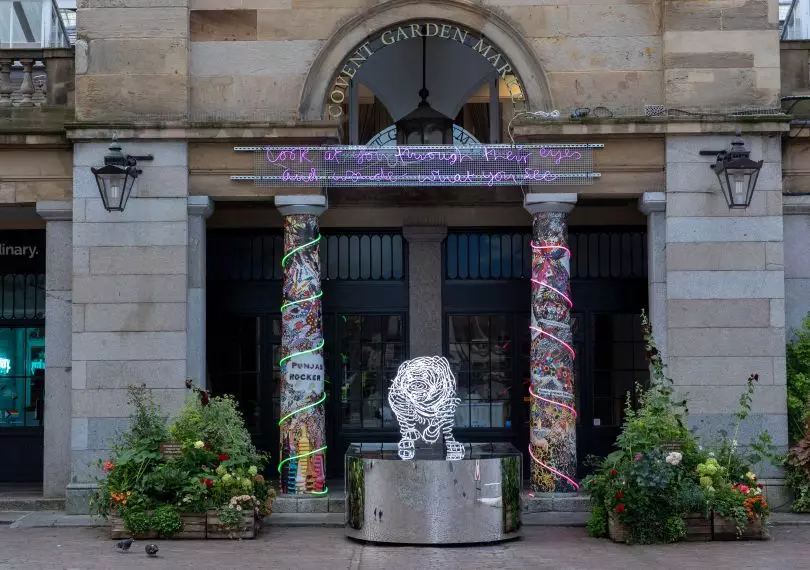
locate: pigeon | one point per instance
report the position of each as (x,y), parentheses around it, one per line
(151,550)
(124,545)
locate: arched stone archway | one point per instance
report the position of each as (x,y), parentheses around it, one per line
(468,13)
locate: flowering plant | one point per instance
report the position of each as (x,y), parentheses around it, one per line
(216,462)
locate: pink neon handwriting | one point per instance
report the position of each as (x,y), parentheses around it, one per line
(484,177)
(409,155)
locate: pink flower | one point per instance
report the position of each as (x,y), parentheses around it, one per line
(108,466)
(743,489)
(638,457)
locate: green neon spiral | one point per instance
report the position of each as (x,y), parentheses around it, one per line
(287,305)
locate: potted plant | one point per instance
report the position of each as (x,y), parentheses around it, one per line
(147,493)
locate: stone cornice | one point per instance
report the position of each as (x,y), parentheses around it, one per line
(527,130)
(311,132)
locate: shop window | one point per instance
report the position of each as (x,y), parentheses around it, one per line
(619,361)
(22,376)
(481,350)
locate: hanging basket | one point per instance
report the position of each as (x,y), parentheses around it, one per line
(617,530)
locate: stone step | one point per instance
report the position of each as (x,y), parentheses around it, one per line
(334,503)
(14,503)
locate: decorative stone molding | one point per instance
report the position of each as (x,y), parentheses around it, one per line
(56,210)
(301,204)
(795,205)
(200,206)
(652,202)
(508,39)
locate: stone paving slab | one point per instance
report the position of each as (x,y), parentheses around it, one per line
(280,548)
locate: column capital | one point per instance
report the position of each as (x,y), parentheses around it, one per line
(653,202)
(56,210)
(424,233)
(291,205)
(536,203)
(200,206)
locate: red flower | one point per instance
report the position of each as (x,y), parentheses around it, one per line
(207,447)
(620,508)
(760,485)
(619,495)
(223,457)
(108,466)
(613,473)
(207,482)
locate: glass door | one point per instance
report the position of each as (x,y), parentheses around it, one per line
(363,354)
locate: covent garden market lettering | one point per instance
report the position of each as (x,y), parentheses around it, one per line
(337,95)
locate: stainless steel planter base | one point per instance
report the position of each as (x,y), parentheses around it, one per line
(428,500)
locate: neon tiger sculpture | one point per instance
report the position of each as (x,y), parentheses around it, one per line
(423,399)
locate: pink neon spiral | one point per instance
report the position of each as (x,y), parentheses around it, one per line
(562,342)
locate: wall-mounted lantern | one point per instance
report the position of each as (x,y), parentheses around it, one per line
(116,178)
(736,172)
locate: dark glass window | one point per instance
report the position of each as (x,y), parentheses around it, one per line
(371,348)
(257,256)
(594,254)
(480,349)
(619,362)
(22,376)
(236,365)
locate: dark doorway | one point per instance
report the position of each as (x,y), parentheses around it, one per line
(486,295)
(365,306)
(22,355)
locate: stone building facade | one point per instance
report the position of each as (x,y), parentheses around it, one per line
(162,291)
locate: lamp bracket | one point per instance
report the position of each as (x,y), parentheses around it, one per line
(142,157)
(711,152)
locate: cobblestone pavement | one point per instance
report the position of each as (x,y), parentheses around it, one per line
(326,548)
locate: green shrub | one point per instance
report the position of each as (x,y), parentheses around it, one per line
(166,520)
(597,524)
(798,381)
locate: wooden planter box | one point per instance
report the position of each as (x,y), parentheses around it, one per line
(724,530)
(118,531)
(215,530)
(194,525)
(698,527)
(617,531)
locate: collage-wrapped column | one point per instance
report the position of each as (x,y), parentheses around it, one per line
(302,426)
(553,417)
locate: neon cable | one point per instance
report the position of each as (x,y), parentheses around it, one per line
(308,300)
(568,347)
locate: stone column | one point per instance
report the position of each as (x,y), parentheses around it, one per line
(552,437)
(58,288)
(424,289)
(726,291)
(302,462)
(654,205)
(199,208)
(797,262)
(130,293)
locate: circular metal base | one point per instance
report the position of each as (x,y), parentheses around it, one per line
(428,500)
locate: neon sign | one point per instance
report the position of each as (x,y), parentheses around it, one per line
(440,165)
(5,365)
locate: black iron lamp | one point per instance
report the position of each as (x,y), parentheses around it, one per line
(117,177)
(736,172)
(424,125)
